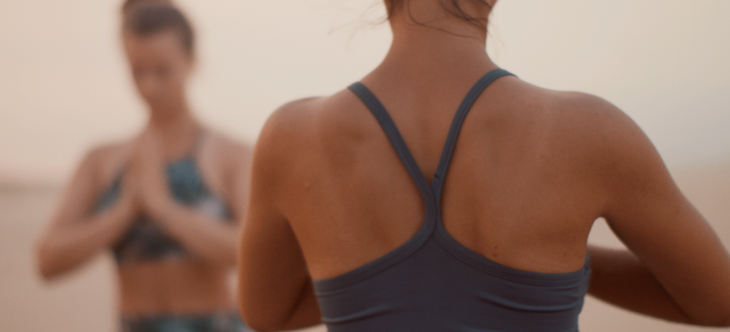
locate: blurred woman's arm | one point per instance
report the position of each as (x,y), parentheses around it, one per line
(212,238)
(275,289)
(680,270)
(76,233)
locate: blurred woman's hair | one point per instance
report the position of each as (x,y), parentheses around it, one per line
(129,4)
(453,7)
(148,17)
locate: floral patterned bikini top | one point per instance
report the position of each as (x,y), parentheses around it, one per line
(145,240)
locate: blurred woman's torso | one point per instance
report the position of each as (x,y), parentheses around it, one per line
(150,286)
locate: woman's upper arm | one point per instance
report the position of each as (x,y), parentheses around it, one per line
(272,270)
(78,198)
(75,207)
(652,217)
(240,176)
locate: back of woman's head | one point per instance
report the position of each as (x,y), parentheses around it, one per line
(129,4)
(461,9)
(143,18)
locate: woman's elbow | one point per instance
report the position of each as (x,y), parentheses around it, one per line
(45,263)
(259,315)
(261,323)
(719,317)
(722,318)
(260,326)
(721,321)
(255,319)
(713,322)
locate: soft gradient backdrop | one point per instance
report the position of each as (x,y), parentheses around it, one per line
(64,87)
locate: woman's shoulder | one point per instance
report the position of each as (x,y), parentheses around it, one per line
(561,105)
(229,151)
(590,129)
(104,161)
(315,118)
(595,119)
(301,132)
(569,112)
(109,150)
(295,114)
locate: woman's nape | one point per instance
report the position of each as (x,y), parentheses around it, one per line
(128,5)
(475,12)
(427,34)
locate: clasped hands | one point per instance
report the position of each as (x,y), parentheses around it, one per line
(144,187)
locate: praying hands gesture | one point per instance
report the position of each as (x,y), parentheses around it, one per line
(80,229)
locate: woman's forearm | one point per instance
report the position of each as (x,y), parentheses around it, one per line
(211,238)
(306,312)
(619,278)
(65,247)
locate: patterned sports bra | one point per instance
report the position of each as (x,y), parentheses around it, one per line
(145,240)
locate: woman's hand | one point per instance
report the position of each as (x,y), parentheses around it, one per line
(126,209)
(204,235)
(147,173)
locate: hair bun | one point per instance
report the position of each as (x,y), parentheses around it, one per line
(148,17)
(129,4)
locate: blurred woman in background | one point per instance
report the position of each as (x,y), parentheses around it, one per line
(442,193)
(165,202)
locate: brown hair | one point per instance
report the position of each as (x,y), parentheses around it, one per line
(148,17)
(129,4)
(453,7)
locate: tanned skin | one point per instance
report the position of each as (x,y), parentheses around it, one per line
(532,170)
(77,233)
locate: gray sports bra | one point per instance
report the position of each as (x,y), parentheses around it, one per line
(432,283)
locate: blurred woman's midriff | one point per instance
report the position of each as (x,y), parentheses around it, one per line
(180,287)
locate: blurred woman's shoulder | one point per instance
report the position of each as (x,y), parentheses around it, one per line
(226,150)
(107,160)
(227,163)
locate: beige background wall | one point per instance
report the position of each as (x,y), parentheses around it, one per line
(64,87)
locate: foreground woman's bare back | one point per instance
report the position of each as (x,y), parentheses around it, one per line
(531,171)
(524,187)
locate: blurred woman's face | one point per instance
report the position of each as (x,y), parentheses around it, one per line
(160,68)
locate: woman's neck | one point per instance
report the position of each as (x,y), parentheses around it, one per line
(177,133)
(430,38)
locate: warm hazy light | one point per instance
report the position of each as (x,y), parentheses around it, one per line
(65,87)
(64,84)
